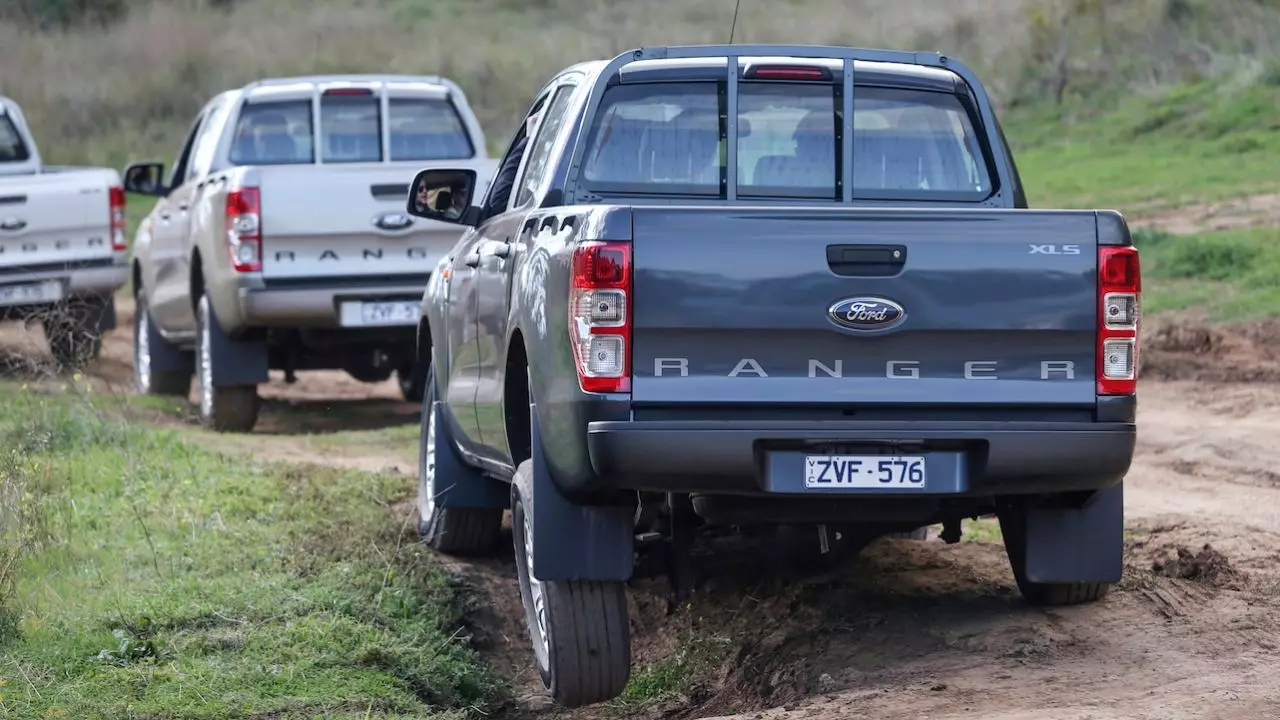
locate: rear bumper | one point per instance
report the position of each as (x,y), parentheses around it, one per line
(87,280)
(975,459)
(315,304)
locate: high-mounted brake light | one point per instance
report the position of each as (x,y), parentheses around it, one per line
(788,72)
(244,229)
(600,315)
(119,242)
(1119,311)
(348,91)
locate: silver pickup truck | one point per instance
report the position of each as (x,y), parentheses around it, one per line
(62,244)
(280,238)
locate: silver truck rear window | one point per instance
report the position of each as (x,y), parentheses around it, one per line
(280,133)
(667,138)
(12,149)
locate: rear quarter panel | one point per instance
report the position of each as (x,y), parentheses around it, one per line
(539,317)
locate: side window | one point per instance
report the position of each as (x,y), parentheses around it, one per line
(539,149)
(207,141)
(499,194)
(183,160)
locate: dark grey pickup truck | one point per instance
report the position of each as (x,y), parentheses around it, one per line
(759,286)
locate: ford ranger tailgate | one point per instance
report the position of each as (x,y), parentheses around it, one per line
(864,306)
(345,221)
(55,218)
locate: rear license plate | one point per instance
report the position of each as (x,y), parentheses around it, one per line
(43,292)
(389,313)
(864,472)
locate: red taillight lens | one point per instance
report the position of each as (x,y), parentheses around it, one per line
(600,315)
(348,91)
(244,229)
(1119,311)
(119,242)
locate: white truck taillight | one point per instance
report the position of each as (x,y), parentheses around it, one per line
(119,242)
(1119,311)
(244,229)
(600,315)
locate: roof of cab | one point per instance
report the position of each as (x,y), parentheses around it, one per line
(306,84)
(709,69)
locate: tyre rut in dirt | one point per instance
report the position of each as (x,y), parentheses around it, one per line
(224,409)
(579,629)
(146,379)
(1013,527)
(455,531)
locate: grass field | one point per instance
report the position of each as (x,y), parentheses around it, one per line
(161,580)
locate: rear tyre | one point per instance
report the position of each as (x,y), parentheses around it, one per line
(1013,526)
(224,409)
(454,531)
(146,379)
(580,631)
(412,379)
(73,334)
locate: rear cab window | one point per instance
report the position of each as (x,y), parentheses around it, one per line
(351,130)
(12,147)
(668,138)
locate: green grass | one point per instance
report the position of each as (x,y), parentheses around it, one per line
(161,580)
(1230,276)
(1195,143)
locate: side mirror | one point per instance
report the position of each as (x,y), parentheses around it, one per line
(145,179)
(443,195)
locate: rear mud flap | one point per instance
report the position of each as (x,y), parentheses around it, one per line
(106,319)
(471,489)
(235,362)
(1083,544)
(165,357)
(574,542)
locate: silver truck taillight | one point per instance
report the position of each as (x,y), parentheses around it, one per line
(119,242)
(244,229)
(1119,312)
(600,315)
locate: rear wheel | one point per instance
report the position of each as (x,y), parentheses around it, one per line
(412,379)
(580,631)
(146,379)
(73,334)
(225,409)
(456,531)
(1013,526)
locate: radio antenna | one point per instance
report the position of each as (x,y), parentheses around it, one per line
(733,27)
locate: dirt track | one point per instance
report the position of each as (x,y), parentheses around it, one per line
(932,630)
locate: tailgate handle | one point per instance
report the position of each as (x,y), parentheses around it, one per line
(866,260)
(12,224)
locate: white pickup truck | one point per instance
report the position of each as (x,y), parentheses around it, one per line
(62,244)
(280,239)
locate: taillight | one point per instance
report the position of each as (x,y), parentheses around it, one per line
(119,242)
(600,315)
(244,229)
(1119,310)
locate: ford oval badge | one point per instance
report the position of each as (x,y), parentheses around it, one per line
(866,313)
(392,221)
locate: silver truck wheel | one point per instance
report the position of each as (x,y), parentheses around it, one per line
(456,531)
(224,409)
(146,380)
(579,629)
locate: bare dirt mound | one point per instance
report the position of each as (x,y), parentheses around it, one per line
(1181,347)
(1246,212)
